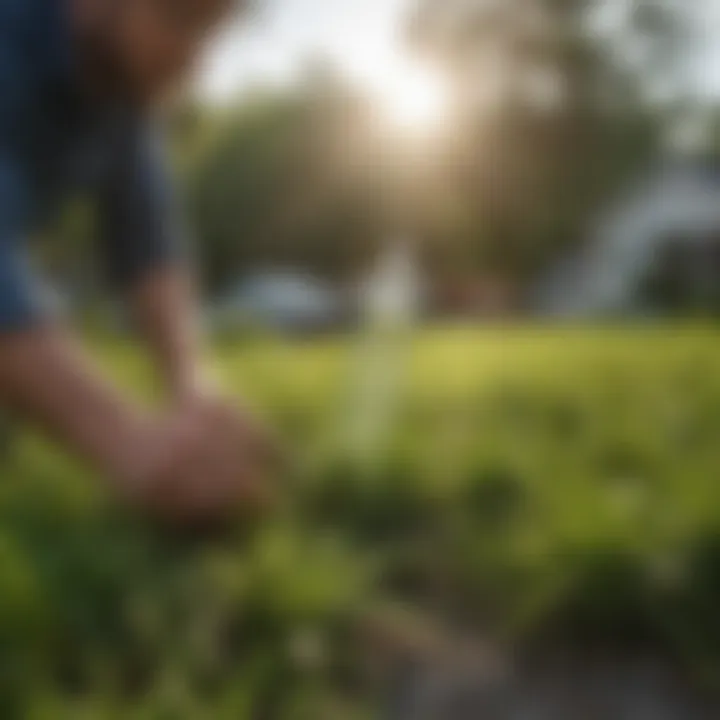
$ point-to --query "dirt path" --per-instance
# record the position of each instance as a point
(600, 690)
(447, 676)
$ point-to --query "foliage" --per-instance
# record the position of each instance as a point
(553, 118)
(272, 183)
(548, 118)
(546, 484)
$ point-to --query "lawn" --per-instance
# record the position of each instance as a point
(536, 485)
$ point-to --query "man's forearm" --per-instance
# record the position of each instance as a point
(165, 310)
(45, 376)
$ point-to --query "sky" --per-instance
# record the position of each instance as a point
(363, 37)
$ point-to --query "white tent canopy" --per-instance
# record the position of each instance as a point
(680, 202)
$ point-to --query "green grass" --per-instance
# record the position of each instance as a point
(535, 483)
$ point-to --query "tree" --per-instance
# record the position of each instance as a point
(555, 113)
(271, 183)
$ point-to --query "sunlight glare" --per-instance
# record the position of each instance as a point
(408, 94)
(414, 98)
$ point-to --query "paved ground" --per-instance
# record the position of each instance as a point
(598, 690)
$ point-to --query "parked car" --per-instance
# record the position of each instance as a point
(283, 301)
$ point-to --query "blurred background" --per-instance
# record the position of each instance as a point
(465, 254)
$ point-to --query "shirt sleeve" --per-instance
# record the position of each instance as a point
(24, 301)
(139, 222)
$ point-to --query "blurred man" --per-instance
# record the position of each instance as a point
(78, 80)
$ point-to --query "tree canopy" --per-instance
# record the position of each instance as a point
(554, 105)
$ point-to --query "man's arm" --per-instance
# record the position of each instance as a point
(42, 374)
(191, 463)
(164, 307)
(45, 377)
(190, 466)
(147, 258)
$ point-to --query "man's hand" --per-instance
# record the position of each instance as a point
(206, 461)
(209, 456)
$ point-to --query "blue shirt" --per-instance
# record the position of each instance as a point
(53, 140)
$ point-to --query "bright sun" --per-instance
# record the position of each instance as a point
(408, 95)
(415, 99)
